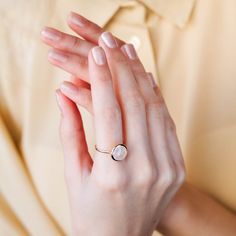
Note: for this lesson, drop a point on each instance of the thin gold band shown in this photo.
(102, 151)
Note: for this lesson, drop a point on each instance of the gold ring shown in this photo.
(118, 153)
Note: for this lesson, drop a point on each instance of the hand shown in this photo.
(69, 52)
(158, 155)
(188, 201)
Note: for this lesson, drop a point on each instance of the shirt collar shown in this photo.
(101, 11)
(175, 11)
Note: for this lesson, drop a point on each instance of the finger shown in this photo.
(77, 160)
(85, 28)
(79, 95)
(79, 82)
(132, 104)
(178, 173)
(176, 153)
(107, 122)
(158, 124)
(73, 64)
(140, 73)
(154, 85)
(107, 115)
(66, 42)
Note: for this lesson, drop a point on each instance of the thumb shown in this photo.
(77, 160)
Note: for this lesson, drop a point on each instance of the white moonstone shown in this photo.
(119, 152)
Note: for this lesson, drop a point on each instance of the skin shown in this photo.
(105, 193)
(189, 212)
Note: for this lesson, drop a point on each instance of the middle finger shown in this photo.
(129, 97)
(66, 42)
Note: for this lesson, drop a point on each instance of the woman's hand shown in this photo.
(188, 201)
(69, 52)
(124, 197)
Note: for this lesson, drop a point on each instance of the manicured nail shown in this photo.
(130, 51)
(99, 55)
(68, 88)
(77, 20)
(57, 56)
(109, 40)
(51, 34)
(152, 80)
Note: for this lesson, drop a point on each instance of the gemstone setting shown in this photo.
(119, 152)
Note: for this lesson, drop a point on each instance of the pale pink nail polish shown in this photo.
(68, 88)
(51, 34)
(77, 20)
(57, 56)
(109, 40)
(152, 80)
(99, 55)
(130, 51)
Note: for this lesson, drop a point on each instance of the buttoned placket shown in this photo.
(129, 24)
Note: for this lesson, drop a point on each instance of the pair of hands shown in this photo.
(107, 197)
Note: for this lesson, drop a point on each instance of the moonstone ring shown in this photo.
(118, 153)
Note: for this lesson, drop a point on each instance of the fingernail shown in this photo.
(109, 40)
(130, 51)
(57, 56)
(77, 20)
(152, 80)
(57, 92)
(51, 34)
(68, 87)
(99, 55)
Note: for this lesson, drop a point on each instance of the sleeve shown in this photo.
(21, 203)
(21, 210)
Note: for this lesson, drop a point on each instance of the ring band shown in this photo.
(118, 153)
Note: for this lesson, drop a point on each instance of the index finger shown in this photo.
(86, 28)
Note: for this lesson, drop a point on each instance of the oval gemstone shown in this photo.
(119, 152)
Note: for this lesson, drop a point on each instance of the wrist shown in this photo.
(179, 210)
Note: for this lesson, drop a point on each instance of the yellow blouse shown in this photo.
(189, 45)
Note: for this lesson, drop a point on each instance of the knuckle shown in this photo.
(103, 79)
(147, 177)
(83, 63)
(93, 27)
(166, 179)
(85, 101)
(135, 102)
(155, 113)
(84, 98)
(181, 175)
(141, 72)
(120, 59)
(74, 43)
(156, 108)
(69, 129)
(170, 124)
(159, 94)
(116, 183)
(111, 114)
(138, 68)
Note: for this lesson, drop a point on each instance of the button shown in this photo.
(135, 40)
